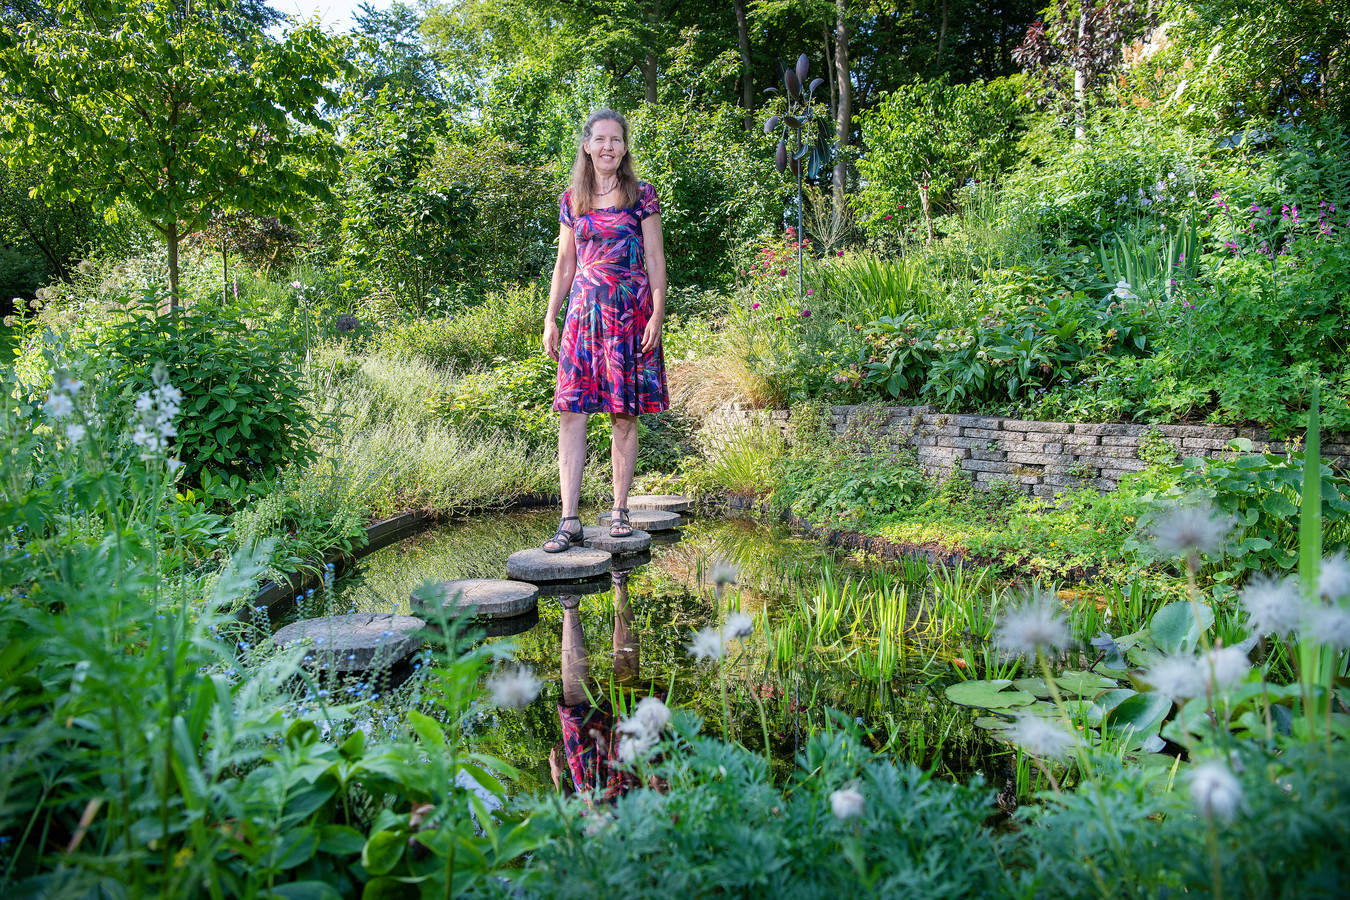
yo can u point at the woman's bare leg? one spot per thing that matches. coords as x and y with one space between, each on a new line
623 447
627 649
571 461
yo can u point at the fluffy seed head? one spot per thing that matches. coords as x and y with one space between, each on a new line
1215 791
847 803
514 689
738 626
1178 677
1041 737
1334 580
1274 605
1328 626
653 714
1224 667
1036 625
706 645
1188 529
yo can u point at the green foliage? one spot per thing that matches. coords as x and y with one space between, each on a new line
506 325
926 140
243 397
206 111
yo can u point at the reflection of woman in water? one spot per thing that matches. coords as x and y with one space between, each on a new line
590 745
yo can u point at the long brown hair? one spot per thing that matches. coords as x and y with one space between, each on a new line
583 170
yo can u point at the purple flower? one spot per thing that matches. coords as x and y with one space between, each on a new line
841 252
810 291
806 314
888 218
754 305
347 323
782 271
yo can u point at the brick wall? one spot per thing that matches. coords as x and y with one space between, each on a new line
1039 457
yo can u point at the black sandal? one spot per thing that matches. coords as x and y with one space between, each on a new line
625 522
562 538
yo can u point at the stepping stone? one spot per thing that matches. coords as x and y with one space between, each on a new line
357 641
491 597
626 564
598 538
667 538
577 588
649 520
536 564
508 626
662 502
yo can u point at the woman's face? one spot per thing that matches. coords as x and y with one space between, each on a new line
606 146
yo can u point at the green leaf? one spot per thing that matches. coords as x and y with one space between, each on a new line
340 840
1174 627
383 851
1084 684
306 890
987 694
1141 715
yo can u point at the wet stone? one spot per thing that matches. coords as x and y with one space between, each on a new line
536 564
661 502
508 626
598 538
649 520
667 538
357 641
574 588
490 597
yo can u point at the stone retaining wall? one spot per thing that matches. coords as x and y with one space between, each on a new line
1039 457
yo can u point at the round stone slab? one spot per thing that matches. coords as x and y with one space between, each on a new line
598 538
491 597
577 588
511 625
663 502
666 538
357 641
649 520
536 564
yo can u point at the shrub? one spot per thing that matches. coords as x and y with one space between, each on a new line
507 325
243 409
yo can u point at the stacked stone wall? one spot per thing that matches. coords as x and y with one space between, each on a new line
1041 458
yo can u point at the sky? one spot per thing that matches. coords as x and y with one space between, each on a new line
334 13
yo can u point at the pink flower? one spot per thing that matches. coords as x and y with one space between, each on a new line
782 271
901 206
810 291
841 252
295 285
888 218
754 306
806 314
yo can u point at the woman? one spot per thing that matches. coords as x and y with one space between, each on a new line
611 269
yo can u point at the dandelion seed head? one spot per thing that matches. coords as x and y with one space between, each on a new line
1224 667
1328 626
706 645
1215 791
1036 625
514 689
1178 677
738 626
723 574
1334 580
1188 529
1041 737
75 432
847 803
1274 605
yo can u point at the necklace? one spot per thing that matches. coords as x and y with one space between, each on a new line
614 187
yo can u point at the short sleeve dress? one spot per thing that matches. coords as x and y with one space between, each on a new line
601 365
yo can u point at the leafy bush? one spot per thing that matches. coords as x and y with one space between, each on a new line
243 395
506 326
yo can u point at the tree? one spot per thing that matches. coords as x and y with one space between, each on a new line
176 109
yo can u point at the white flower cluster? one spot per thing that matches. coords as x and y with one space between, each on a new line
847 803
61 403
1124 292
1191 529
152 422
710 644
1278 605
1215 791
1037 626
642 730
514 689
1041 737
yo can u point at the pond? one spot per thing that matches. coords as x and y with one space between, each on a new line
835 636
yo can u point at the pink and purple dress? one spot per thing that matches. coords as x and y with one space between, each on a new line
601 366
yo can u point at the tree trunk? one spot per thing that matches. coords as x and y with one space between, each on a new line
1080 76
650 60
747 79
844 118
171 235
829 67
942 35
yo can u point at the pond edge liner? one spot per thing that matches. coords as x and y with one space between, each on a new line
379 535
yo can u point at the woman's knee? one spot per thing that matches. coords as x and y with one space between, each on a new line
623 425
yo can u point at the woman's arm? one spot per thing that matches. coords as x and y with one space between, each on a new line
564 271
654 246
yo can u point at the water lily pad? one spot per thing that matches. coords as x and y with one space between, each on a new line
1175 629
1034 686
1137 717
987 694
990 723
1084 684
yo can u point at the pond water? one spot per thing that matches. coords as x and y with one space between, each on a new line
833 633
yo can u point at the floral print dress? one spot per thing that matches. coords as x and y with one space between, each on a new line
601 366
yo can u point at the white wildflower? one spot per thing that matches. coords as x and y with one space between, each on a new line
847 803
723 574
175 465
1224 667
1040 736
1274 605
1328 626
514 689
58 405
1188 529
1334 580
1037 625
1215 791
1178 677
635 747
145 403
706 645
653 714
69 386
75 432
739 625
1124 292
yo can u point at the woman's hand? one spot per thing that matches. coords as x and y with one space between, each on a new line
651 335
551 339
